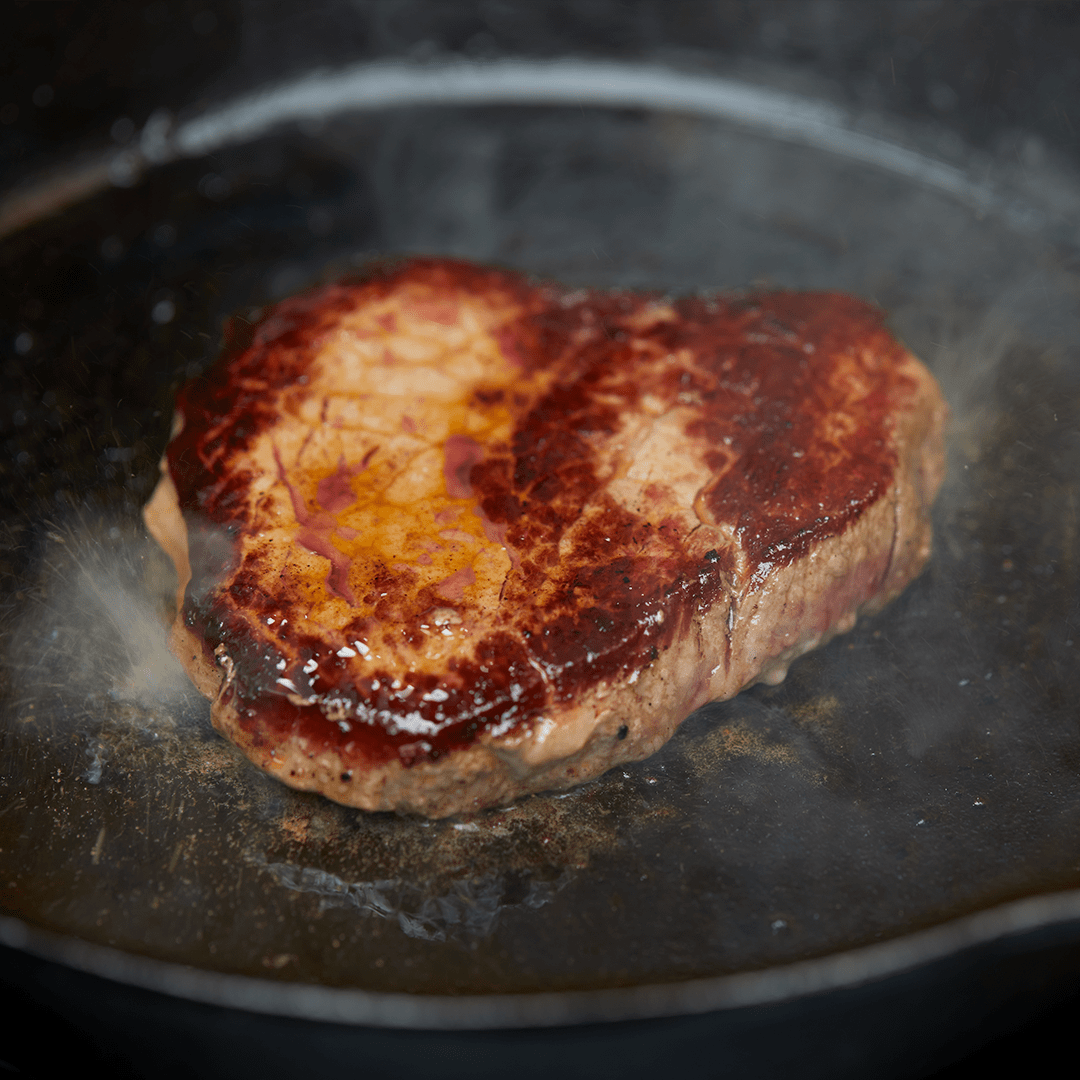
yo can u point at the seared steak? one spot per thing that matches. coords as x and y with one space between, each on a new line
446 536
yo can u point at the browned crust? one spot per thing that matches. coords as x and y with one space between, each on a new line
749 633
765 638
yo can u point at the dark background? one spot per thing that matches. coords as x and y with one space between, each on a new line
1004 76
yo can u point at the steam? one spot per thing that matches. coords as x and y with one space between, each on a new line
967 352
989 603
94 628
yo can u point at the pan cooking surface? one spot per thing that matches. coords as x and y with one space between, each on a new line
923 767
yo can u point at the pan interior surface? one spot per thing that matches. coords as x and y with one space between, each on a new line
918 770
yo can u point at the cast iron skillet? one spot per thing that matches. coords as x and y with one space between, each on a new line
910 791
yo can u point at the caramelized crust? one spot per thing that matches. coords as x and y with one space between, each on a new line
446 536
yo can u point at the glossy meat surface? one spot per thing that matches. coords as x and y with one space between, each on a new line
454 536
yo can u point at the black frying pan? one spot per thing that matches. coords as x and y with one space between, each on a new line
909 792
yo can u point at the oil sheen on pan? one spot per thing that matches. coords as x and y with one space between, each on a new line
446 536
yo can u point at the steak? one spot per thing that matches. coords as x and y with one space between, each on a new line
446 536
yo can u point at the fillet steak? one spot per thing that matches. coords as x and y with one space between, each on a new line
446 536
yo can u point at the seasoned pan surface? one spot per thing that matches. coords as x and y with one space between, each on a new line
922 768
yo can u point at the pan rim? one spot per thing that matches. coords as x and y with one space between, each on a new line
839 971
558 83
455 82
